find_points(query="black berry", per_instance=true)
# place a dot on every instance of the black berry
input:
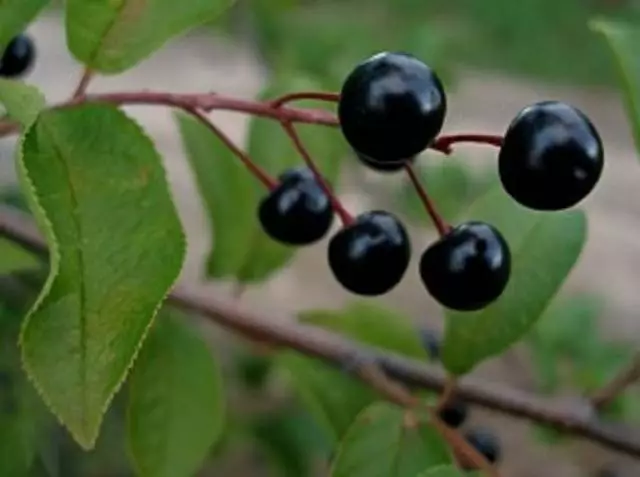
(297, 211)
(485, 443)
(17, 57)
(391, 107)
(370, 256)
(552, 156)
(468, 268)
(431, 342)
(454, 413)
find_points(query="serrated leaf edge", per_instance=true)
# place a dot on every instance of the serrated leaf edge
(86, 442)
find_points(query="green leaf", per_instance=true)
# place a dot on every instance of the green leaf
(333, 397)
(443, 471)
(270, 147)
(20, 101)
(544, 249)
(24, 421)
(13, 258)
(382, 443)
(372, 325)
(111, 36)
(623, 40)
(230, 194)
(15, 16)
(98, 189)
(176, 402)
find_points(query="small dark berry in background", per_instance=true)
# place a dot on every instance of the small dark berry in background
(485, 442)
(431, 342)
(17, 57)
(297, 211)
(454, 413)
(552, 156)
(384, 167)
(468, 268)
(370, 256)
(392, 106)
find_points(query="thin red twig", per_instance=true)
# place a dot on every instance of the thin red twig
(628, 376)
(304, 95)
(339, 209)
(429, 206)
(444, 143)
(253, 168)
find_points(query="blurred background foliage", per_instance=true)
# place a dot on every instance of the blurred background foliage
(269, 428)
(543, 39)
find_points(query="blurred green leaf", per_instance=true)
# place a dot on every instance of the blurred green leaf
(623, 39)
(566, 318)
(271, 148)
(24, 421)
(229, 193)
(14, 258)
(20, 101)
(112, 36)
(548, 435)
(176, 402)
(382, 442)
(451, 184)
(370, 324)
(333, 397)
(99, 191)
(544, 249)
(15, 16)
(443, 471)
(292, 442)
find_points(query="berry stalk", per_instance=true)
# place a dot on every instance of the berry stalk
(253, 168)
(429, 206)
(444, 143)
(312, 95)
(345, 216)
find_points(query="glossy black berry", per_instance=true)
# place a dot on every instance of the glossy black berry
(297, 211)
(391, 107)
(468, 268)
(485, 443)
(454, 413)
(17, 57)
(552, 156)
(370, 256)
(431, 342)
(384, 167)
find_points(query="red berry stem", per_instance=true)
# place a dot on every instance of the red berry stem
(253, 168)
(429, 206)
(444, 143)
(345, 216)
(83, 84)
(313, 95)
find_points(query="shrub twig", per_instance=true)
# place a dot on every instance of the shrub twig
(335, 350)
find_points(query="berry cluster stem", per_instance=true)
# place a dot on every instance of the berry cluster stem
(429, 206)
(83, 84)
(313, 95)
(253, 168)
(444, 143)
(345, 216)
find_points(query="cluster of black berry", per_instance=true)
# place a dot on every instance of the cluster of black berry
(17, 57)
(392, 107)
